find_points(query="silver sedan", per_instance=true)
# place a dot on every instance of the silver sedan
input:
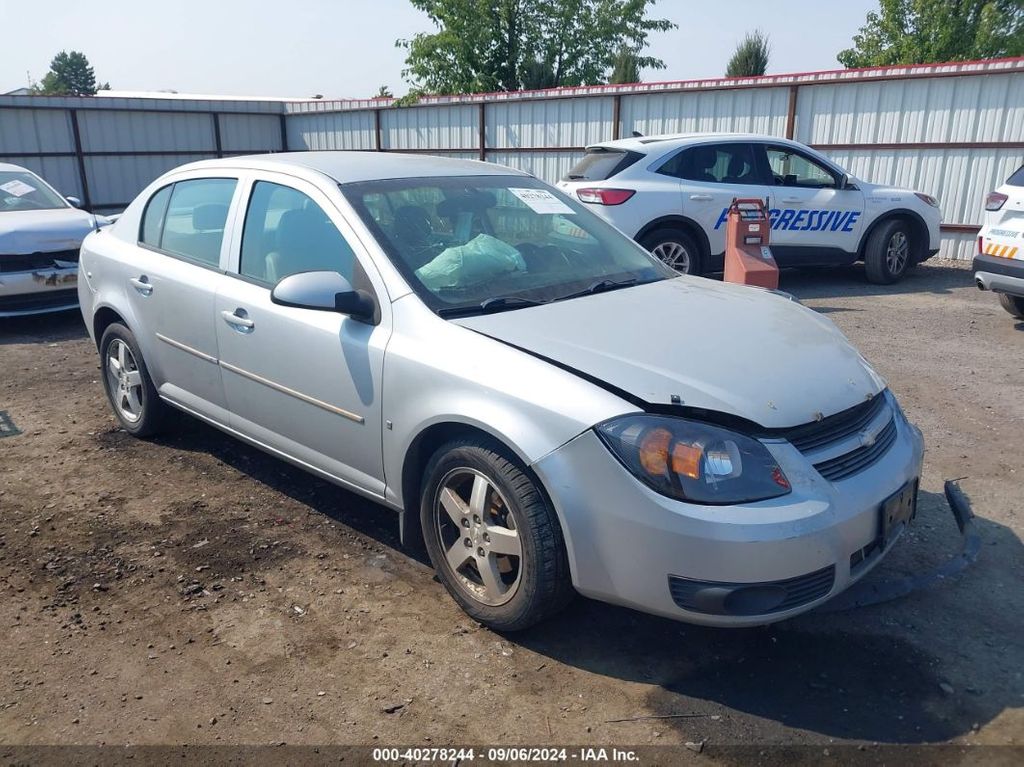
(547, 406)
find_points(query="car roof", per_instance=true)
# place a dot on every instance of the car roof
(348, 167)
(11, 166)
(667, 141)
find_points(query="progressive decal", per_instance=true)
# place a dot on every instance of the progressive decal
(794, 220)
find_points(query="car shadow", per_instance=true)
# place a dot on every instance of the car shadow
(838, 675)
(851, 281)
(42, 328)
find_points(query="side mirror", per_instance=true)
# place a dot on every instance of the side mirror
(325, 292)
(847, 183)
(75, 202)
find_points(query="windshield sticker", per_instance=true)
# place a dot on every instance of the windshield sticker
(542, 201)
(17, 187)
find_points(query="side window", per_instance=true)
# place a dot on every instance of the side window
(286, 233)
(715, 164)
(196, 214)
(153, 217)
(792, 169)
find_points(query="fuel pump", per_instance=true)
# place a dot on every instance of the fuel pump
(748, 257)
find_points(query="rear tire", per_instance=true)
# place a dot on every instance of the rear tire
(1013, 304)
(127, 383)
(492, 537)
(889, 252)
(676, 248)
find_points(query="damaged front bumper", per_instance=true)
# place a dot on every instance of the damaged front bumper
(45, 288)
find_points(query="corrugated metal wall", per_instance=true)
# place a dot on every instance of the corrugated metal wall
(105, 150)
(955, 131)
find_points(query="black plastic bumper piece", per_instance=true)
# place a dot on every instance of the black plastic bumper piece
(718, 598)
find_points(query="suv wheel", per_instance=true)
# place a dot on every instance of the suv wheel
(126, 380)
(1013, 304)
(492, 537)
(676, 248)
(889, 252)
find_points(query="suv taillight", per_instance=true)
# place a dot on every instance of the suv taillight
(605, 196)
(995, 200)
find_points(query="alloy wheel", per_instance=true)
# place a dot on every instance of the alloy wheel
(674, 254)
(125, 380)
(477, 532)
(896, 252)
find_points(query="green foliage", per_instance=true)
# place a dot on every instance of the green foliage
(928, 31)
(70, 75)
(504, 45)
(751, 56)
(384, 92)
(625, 68)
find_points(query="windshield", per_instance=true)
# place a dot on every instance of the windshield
(489, 243)
(20, 190)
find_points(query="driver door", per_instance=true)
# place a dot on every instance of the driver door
(305, 383)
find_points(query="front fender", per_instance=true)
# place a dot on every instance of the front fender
(436, 372)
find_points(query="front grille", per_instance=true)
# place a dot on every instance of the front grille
(750, 598)
(29, 302)
(33, 261)
(859, 459)
(813, 436)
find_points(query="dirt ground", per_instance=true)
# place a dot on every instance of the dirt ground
(190, 589)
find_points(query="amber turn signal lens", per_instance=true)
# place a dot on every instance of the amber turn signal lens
(654, 452)
(686, 460)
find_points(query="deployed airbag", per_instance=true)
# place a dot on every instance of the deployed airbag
(479, 260)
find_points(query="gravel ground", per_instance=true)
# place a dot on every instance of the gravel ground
(190, 589)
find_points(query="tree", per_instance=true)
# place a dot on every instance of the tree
(384, 92)
(926, 31)
(504, 45)
(70, 75)
(625, 68)
(751, 56)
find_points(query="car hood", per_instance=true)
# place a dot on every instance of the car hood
(41, 231)
(728, 348)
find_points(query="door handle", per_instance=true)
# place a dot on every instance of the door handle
(702, 197)
(238, 320)
(141, 284)
(792, 199)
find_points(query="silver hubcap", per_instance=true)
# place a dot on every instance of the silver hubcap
(675, 255)
(125, 380)
(477, 532)
(896, 253)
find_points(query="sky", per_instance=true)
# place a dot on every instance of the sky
(346, 48)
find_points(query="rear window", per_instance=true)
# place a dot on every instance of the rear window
(599, 164)
(1017, 179)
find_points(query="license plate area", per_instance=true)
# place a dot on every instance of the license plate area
(896, 512)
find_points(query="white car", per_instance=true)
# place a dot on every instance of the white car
(40, 234)
(999, 263)
(671, 194)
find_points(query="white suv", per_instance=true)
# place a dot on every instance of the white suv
(671, 194)
(999, 263)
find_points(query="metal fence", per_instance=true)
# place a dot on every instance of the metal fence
(953, 130)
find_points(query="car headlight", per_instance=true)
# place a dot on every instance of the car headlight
(693, 461)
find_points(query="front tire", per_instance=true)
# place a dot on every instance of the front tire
(676, 248)
(492, 537)
(1013, 304)
(889, 252)
(127, 383)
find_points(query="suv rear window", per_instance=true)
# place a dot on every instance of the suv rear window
(1017, 179)
(599, 164)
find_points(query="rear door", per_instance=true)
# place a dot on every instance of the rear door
(814, 221)
(170, 283)
(1003, 233)
(712, 176)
